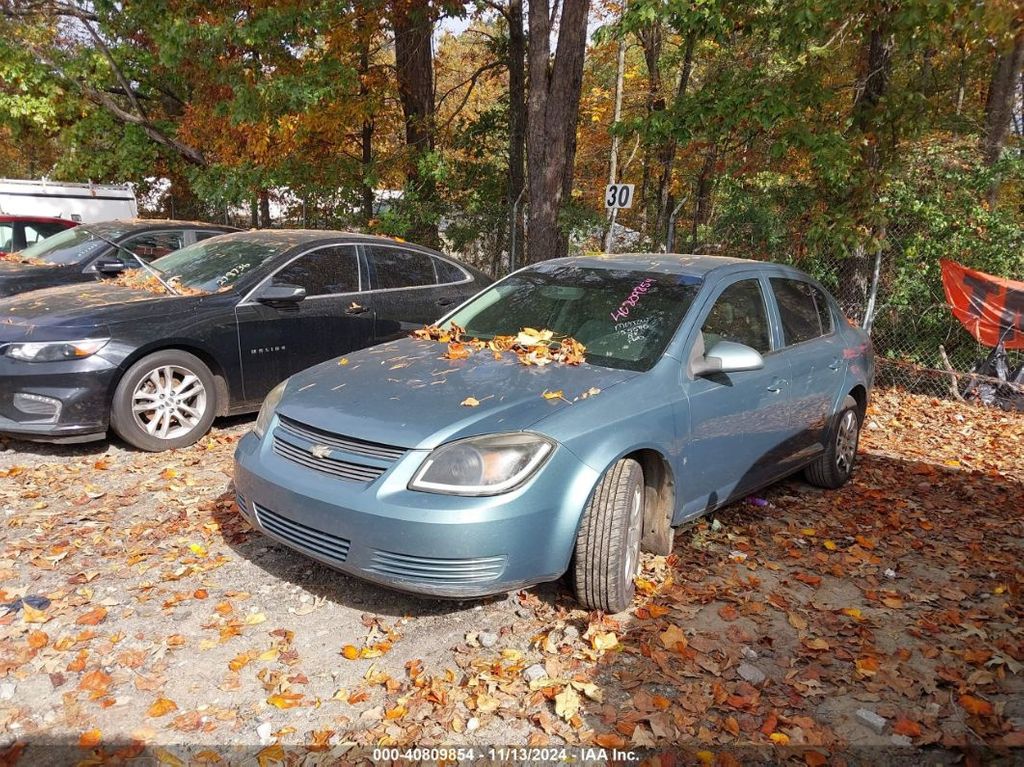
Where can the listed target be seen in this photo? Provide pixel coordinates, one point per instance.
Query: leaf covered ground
(142, 613)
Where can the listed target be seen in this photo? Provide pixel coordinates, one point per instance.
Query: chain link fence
(920, 346)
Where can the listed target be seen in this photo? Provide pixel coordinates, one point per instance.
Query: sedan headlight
(487, 465)
(267, 411)
(54, 351)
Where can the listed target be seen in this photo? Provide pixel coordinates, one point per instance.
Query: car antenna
(138, 258)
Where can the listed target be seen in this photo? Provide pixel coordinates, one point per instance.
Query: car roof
(696, 265)
(161, 223)
(13, 217)
(306, 236)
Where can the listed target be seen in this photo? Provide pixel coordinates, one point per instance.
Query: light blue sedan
(461, 471)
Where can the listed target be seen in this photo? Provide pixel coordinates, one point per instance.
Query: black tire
(833, 468)
(608, 542)
(153, 379)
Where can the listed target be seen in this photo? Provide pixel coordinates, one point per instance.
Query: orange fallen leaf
(200, 594)
(656, 611)
(779, 738)
(350, 651)
(609, 740)
(169, 473)
(908, 727)
(976, 706)
(38, 639)
(867, 665)
(93, 617)
(90, 738)
(161, 707)
(285, 700)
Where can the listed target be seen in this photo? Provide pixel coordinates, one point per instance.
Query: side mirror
(281, 294)
(110, 266)
(729, 357)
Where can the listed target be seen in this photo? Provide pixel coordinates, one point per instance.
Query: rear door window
(6, 237)
(152, 245)
(400, 268)
(824, 310)
(323, 272)
(448, 272)
(798, 310)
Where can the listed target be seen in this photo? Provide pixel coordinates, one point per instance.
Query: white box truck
(86, 203)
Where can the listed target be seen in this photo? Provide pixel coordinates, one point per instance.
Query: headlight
(482, 465)
(53, 351)
(267, 411)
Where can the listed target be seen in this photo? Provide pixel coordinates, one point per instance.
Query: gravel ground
(157, 622)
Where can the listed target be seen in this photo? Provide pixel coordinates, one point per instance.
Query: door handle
(355, 308)
(776, 386)
(835, 365)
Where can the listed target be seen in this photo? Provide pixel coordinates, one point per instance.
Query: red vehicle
(18, 232)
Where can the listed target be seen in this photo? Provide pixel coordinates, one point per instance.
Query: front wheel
(165, 401)
(833, 468)
(607, 553)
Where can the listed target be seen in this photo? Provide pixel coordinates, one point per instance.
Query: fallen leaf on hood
(470, 402)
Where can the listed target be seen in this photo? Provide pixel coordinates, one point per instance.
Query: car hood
(404, 393)
(80, 306)
(16, 277)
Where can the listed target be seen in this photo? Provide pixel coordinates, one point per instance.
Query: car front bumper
(81, 389)
(424, 543)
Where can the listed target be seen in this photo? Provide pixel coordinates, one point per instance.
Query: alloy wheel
(846, 442)
(632, 558)
(169, 402)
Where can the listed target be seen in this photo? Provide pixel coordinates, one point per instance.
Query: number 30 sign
(618, 196)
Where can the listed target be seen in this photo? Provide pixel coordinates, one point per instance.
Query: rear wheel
(165, 401)
(607, 553)
(834, 467)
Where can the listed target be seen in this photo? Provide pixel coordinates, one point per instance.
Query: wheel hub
(169, 402)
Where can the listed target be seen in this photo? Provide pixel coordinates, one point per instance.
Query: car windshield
(218, 262)
(624, 318)
(73, 246)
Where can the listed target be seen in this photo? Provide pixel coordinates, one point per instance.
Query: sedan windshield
(625, 319)
(73, 246)
(217, 263)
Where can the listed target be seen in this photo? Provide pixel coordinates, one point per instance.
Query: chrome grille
(348, 444)
(307, 539)
(344, 469)
(431, 570)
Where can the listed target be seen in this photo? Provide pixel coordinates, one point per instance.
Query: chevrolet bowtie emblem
(320, 451)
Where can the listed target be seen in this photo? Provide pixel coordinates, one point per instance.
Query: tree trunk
(366, 135)
(650, 38)
(516, 127)
(264, 209)
(999, 105)
(872, 86)
(413, 25)
(702, 195)
(552, 110)
(667, 152)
